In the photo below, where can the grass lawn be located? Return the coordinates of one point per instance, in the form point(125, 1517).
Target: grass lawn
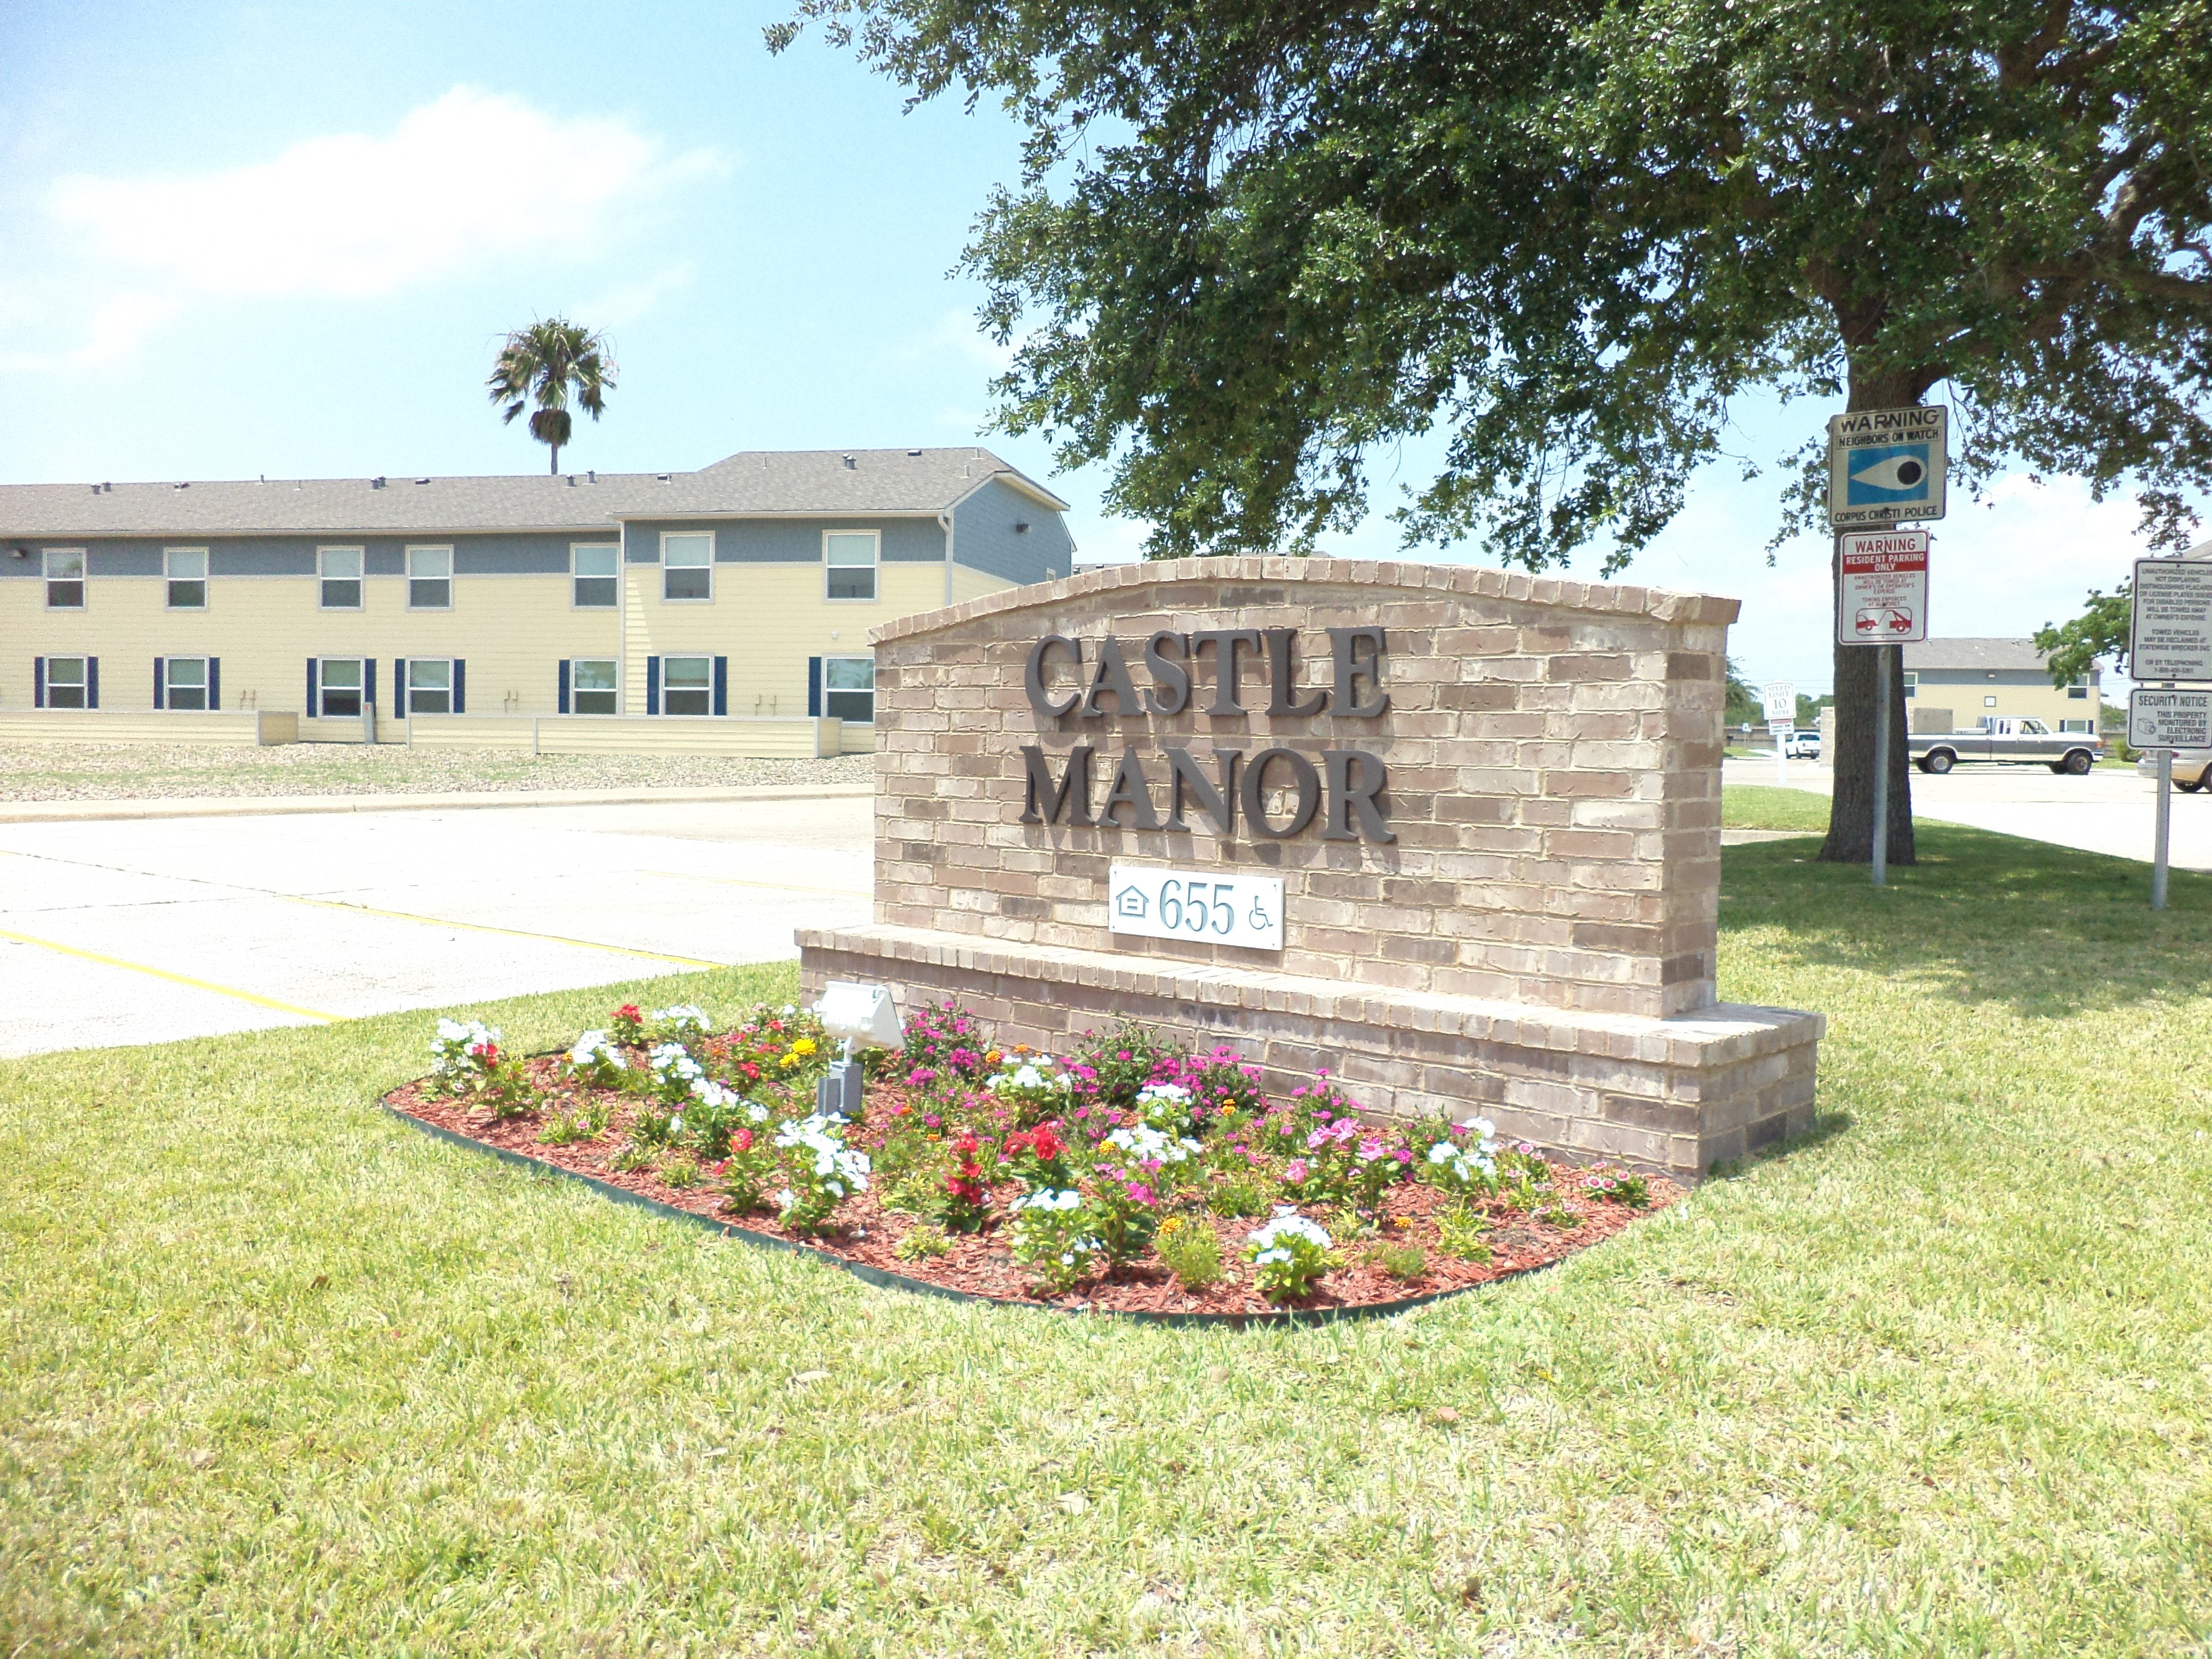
point(280, 1376)
point(1764, 807)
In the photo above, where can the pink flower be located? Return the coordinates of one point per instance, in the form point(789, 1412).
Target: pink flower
point(1295, 1172)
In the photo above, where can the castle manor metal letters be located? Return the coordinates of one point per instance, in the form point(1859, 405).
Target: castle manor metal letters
point(1347, 792)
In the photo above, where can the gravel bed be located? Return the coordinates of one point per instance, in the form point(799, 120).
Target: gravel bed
point(115, 771)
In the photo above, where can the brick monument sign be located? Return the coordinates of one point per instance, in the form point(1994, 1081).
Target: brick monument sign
point(1452, 834)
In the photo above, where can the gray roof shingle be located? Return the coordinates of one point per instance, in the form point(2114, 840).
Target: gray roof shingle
point(2005, 656)
point(759, 482)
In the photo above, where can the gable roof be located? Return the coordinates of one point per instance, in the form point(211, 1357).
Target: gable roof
point(763, 483)
point(1982, 655)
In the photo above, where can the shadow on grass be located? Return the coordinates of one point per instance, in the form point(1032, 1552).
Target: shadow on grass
point(2047, 931)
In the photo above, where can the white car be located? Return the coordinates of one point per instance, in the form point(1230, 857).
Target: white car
point(1801, 744)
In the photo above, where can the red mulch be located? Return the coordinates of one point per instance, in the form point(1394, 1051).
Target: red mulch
point(978, 1263)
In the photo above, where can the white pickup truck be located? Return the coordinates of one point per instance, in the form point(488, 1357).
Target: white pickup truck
point(2006, 739)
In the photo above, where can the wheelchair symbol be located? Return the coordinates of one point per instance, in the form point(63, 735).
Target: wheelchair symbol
point(1259, 918)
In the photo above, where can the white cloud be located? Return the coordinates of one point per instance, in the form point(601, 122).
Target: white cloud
point(628, 301)
point(109, 334)
point(958, 333)
point(470, 180)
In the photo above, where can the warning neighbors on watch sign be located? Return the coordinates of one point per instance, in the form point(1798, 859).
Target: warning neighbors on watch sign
point(1888, 464)
point(1882, 595)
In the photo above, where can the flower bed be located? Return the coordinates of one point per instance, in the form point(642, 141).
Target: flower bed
point(1133, 1175)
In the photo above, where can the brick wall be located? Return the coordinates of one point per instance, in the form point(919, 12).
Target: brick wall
point(1553, 750)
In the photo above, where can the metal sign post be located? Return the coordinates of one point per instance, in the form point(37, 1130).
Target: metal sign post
point(1885, 466)
point(2162, 720)
point(2170, 640)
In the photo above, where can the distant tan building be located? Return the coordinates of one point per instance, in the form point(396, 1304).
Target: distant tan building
point(1953, 685)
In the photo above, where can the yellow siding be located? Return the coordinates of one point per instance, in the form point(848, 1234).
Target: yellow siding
point(511, 631)
point(1963, 698)
point(974, 584)
point(216, 730)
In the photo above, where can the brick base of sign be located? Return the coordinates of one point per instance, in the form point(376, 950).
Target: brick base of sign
point(1672, 1095)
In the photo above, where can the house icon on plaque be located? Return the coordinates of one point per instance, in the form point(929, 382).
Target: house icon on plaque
point(1132, 903)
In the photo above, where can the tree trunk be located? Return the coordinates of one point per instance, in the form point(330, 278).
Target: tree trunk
point(1850, 809)
point(554, 468)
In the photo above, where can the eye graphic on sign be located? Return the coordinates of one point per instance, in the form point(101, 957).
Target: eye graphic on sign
point(1896, 472)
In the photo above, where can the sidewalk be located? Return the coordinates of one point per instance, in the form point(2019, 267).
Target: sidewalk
point(231, 806)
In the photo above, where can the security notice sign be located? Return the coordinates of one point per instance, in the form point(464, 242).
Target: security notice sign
point(2171, 636)
point(2169, 720)
point(1882, 599)
point(1886, 466)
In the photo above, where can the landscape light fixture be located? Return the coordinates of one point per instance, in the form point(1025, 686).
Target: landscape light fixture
point(851, 1012)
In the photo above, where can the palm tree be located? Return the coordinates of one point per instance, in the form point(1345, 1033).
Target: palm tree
point(538, 364)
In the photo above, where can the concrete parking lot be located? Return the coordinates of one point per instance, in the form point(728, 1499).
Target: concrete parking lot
point(143, 931)
point(2107, 811)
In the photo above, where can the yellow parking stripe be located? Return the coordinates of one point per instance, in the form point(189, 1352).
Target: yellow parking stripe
point(512, 932)
point(174, 979)
point(774, 886)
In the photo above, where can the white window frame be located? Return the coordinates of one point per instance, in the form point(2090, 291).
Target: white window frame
point(83, 684)
point(358, 689)
point(1989, 702)
point(430, 547)
point(413, 662)
point(829, 691)
point(705, 689)
point(324, 578)
point(707, 535)
point(874, 568)
point(2079, 728)
point(2078, 688)
point(612, 689)
point(614, 576)
point(83, 577)
point(169, 685)
point(1911, 682)
point(170, 579)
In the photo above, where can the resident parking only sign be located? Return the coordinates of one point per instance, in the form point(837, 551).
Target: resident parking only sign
point(1882, 595)
point(1886, 466)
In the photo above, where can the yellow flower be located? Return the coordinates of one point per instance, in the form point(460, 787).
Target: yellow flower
point(803, 1046)
point(791, 1058)
point(1172, 1225)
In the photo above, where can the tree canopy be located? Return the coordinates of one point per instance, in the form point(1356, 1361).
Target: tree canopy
point(539, 365)
point(1255, 241)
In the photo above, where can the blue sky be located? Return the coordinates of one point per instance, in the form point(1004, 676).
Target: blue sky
point(287, 238)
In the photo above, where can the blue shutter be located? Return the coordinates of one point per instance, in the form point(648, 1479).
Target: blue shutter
point(314, 690)
point(653, 685)
point(38, 682)
point(161, 682)
point(722, 685)
point(369, 682)
point(813, 687)
point(399, 688)
point(214, 684)
point(460, 687)
point(91, 682)
point(563, 702)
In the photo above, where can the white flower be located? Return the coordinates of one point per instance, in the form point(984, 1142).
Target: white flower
point(1174, 1092)
point(756, 1111)
point(792, 1007)
point(713, 1094)
point(1269, 1238)
point(786, 1197)
point(675, 1126)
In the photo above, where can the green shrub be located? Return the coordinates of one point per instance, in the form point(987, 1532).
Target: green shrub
point(923, 1244)
point(1459, 1233)
point(1399, 1261)
point(1191, 1249)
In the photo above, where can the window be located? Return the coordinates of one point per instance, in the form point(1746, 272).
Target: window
point(187, 569)
point(687, 685)
point(848, 689)
point(850, 555)
point(340, 575)
point(429, 685)
point(2078, 688)
point(1911, 682)
point(2077, 725)
point(66, 680)
point(687, 571)
point(186, 679)
point(1989, 702)
point(594, 686)
point(596, 571)
point(429, 579)
point(338, 682)
point(65, 589)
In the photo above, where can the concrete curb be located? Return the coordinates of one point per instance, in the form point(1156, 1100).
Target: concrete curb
point(234, 807)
